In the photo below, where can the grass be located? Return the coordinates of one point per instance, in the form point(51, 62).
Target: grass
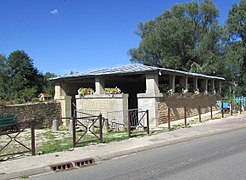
point(24, 177)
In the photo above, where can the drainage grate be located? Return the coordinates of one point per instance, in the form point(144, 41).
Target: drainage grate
point(71, 165)
point(84, 162)
point(62, 166)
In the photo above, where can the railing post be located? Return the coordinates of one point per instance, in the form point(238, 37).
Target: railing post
point(222, 109)
point(240, 107)
point(129, 125)
point(231, 108)
point(147, 113)
point(185, 120)
point(101, 128)
point(199, 114)
point(33, 137)
point(74, 131)
point(168, 118)
point(211, 111)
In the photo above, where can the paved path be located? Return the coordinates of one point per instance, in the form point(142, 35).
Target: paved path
point(38, 164)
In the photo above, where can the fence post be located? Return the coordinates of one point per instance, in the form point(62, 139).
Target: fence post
point(222, 109)
point(185, 120)
point(168, 118)
point(74, 131)
point(199, 113)
point(211, 111)
point(33, 137)
point(101, 128)
point(240, 107)
point(231, 108)
point(129, 125)
point(147, 113)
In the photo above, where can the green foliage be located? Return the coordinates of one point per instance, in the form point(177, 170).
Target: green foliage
point(49, 86)
point(28, 93)
point(20, 81)
point(186, 37)
point(115, 90)
point(235, 52)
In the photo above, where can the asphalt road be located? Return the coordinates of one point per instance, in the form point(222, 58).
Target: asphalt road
point(221, 156)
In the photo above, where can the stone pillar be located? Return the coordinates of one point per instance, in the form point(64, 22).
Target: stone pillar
point(152, 84)
point(59, 92)
point(205, 85)
point(99, 86)
point(66, 102)
point(149, 99)
point(172, 82)
point(195, 83)
point(213, 86)
point(148, 102)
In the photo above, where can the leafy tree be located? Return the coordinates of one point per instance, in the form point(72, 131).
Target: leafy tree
point(235, 52)
point(187, 37)
point(3, 77)
point(49, 86)
point(22, 75)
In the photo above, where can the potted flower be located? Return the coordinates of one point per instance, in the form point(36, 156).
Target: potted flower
point(115, 90)
point(170, 92)
point(85, 91)
point(196, 91)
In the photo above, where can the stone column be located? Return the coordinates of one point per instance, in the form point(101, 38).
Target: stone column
point(205, 85)
point(61, 96)
point(152, 84)
point(149, 99)
point(172, 82)
point(213, 86)
point(99, 85)
point(195, 83)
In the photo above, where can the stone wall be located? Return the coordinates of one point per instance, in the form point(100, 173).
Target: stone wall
point(43, 113)
point(109, 105)
point(192, 103)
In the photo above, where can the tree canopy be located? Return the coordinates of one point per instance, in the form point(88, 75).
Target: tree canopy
point(19, 79)
point(235, 51)
point(186, 37)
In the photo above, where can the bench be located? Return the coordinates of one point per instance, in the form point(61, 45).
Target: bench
point(8, 124)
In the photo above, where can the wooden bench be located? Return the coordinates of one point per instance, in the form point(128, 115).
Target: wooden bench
point(8, 124)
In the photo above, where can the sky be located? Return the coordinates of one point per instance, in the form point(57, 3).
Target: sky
point(62, 36)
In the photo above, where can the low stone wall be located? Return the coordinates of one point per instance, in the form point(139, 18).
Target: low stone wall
point(192, 103)
point(113, 107)
point(43, 113)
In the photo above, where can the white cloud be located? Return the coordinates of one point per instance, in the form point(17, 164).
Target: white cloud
point(54, 12)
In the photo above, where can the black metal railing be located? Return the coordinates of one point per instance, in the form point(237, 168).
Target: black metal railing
point(138, 119)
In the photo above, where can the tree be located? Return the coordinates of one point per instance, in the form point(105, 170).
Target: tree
point(235, 52)
point(49, 86)
point(22, 75)
point(3, 77)
point(187, 37)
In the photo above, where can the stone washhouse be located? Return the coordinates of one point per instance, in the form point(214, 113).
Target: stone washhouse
point(141, 87)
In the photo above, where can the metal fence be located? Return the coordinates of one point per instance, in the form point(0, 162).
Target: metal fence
point(13, 135)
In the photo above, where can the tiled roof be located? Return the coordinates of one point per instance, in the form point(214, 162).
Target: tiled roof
point(133, 68)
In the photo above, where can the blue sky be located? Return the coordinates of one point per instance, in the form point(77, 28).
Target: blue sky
point(79, 35)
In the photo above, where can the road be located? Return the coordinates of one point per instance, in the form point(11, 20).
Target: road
point(221, 156)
